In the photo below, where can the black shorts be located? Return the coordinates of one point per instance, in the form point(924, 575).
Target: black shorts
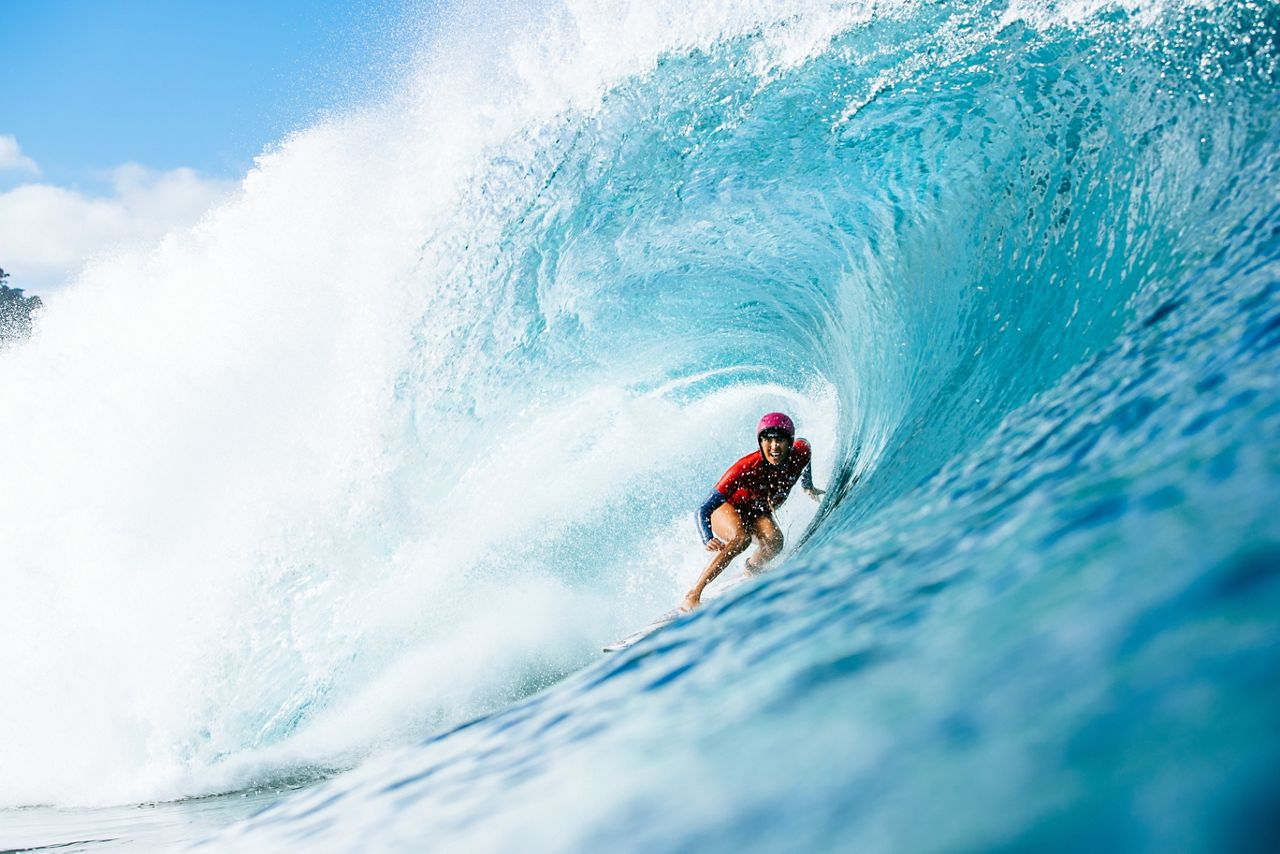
point(749, 513)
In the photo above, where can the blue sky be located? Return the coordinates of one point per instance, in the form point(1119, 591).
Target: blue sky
point(89, 84)
point(158, 106)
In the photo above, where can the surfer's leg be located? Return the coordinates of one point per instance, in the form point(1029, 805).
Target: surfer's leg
point(727, 525)
point(769, 537)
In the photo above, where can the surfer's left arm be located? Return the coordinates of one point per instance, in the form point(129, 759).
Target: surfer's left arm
point(806, 483)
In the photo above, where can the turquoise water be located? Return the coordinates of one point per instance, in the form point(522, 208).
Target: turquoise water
point(1014, 269)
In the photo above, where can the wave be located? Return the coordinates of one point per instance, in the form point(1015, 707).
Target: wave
point(398, 436)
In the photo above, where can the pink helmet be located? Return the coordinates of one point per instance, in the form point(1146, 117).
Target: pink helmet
point(776, 422)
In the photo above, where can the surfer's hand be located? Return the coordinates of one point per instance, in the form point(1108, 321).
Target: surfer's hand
point(714, 545)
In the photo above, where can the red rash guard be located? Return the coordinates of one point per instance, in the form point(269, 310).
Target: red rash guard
point(754, 486)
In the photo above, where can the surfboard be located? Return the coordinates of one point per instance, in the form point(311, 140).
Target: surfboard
point(673, 615)
point(642, 633)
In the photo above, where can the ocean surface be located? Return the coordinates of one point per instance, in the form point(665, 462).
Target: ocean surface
point(327, 505)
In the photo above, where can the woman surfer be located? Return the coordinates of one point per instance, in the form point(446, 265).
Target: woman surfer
point(742, 504)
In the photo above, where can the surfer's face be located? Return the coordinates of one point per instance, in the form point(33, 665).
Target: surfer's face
point(774, 449)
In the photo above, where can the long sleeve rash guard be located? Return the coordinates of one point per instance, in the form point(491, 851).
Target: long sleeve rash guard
point(754, 486)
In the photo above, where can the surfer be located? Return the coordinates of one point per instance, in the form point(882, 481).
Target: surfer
point(741, 506)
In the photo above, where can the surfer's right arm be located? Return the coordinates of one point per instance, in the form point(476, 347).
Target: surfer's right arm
point(725, 486)
point(714, 500)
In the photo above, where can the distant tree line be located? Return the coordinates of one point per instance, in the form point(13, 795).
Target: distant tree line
point(16, 312)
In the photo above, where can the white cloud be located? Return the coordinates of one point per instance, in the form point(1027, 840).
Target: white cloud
point(48, 233)
point(12, 159)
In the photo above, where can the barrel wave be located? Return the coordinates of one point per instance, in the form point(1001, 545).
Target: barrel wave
point(373, 461)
